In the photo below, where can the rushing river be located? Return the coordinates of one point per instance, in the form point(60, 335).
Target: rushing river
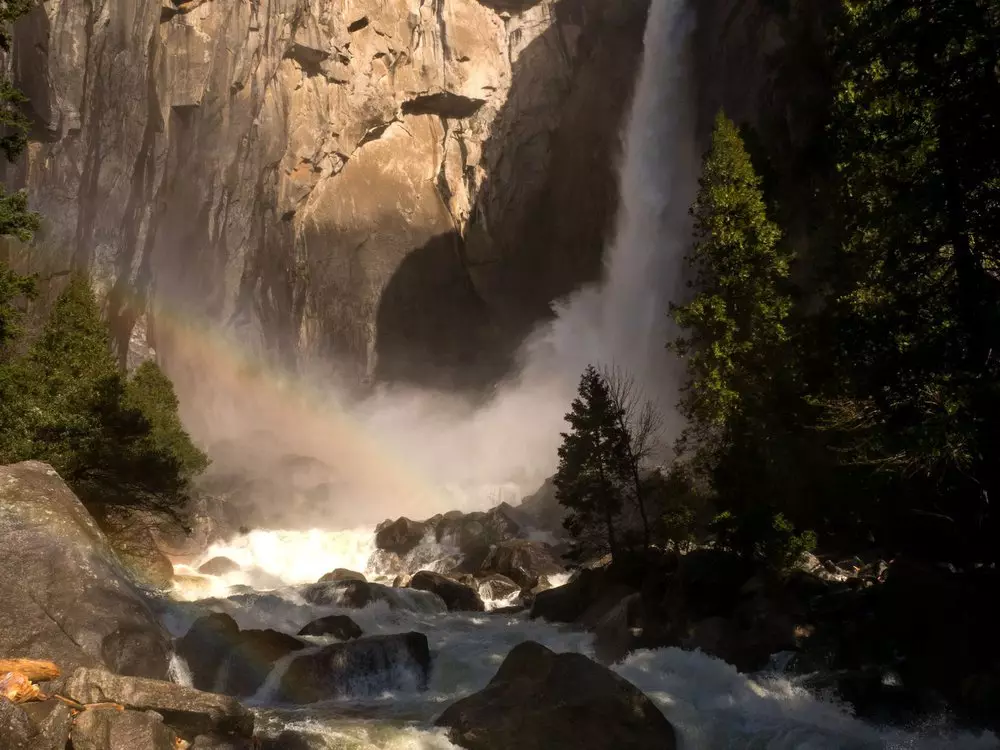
point(712, 706)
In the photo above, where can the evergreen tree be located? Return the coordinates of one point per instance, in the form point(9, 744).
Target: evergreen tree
point(741, 392)
point(15, 218)
point(592, 460)
point(150, 392)
point(916, 288)
point(735, 323)
point(79, 417)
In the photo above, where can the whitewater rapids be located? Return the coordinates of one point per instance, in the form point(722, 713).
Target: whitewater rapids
point(712, 706)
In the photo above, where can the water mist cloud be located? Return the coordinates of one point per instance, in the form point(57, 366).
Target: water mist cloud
point(318, 461)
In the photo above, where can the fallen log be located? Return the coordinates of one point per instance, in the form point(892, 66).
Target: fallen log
point(34, 669)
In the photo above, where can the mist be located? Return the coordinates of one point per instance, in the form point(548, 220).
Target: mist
point(304, 455)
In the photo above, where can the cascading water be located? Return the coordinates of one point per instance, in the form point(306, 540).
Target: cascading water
point(622, 321)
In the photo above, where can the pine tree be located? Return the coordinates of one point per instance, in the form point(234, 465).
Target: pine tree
point(81, 418)
point(741, 388)
point(735, 323)
point(592, 461)
point(150, 392)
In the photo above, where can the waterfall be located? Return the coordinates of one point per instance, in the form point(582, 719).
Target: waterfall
point(625, 319)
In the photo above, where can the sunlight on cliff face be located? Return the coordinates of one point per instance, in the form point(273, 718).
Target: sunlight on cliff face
point(296, 448)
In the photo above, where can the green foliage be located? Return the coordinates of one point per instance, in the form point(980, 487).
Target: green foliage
point(763, 537)
point(150, 392)
point(591, 461)
point(15, 218)
point(13, 287)
point(915, 285)
point(735, 322)
point(116, 444)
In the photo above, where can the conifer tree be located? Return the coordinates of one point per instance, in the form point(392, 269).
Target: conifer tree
point(150, 391)
point(592, 460)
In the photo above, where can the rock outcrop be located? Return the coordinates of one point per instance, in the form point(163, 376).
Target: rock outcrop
point(66, 597)
point(396, 184)
point(539, 699)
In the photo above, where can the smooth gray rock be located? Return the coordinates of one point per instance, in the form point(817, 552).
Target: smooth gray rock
point(110, 729)
point(66, 596)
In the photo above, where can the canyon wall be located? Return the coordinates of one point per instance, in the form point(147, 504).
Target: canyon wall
point(399, 186)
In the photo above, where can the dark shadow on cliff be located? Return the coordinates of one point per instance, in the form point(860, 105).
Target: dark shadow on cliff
point(456, 310)
point(433, 329)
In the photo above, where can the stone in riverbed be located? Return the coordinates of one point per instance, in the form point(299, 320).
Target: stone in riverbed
point(222, 657)
point(524, 562)
point(457, 596)
point(341, 627)
point(539, 700)
point(358, 668)
point(218, 566)
point(343, 574)
point(399, 536)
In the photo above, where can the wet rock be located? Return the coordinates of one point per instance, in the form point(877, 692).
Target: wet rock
point(585, 598)
point(108, 729)
point(457, 596)
point(206, 646)
point(189, 711)
point(252, 659)
point(218, 566)
point(224, 659)
point(344, 593)
point(66, 596)
point(343, 574)
point(524, 562)
point(399, 536)
point(539, 700)
point(358, 668)
point(496, 586)
point(341, 627)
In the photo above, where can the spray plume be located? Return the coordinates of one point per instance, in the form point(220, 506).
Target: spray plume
point(405, 451)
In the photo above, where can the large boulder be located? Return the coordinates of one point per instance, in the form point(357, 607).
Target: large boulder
point(399, 536)
point(351, 594)
point(496, 586)
point(342, 574)
point(457, 596)
point(104, 729)
point(66, 596)
point(524, 562)
point(340, 627)
point(358, 668)
point(188, 711)
point(225, 659)
point(218, 566)
point(539, 700)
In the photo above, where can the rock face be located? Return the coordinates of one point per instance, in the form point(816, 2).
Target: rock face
point(359, 668)
point(66, 597)
point(397, 184)
point(539, 699)
point(457, 596)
